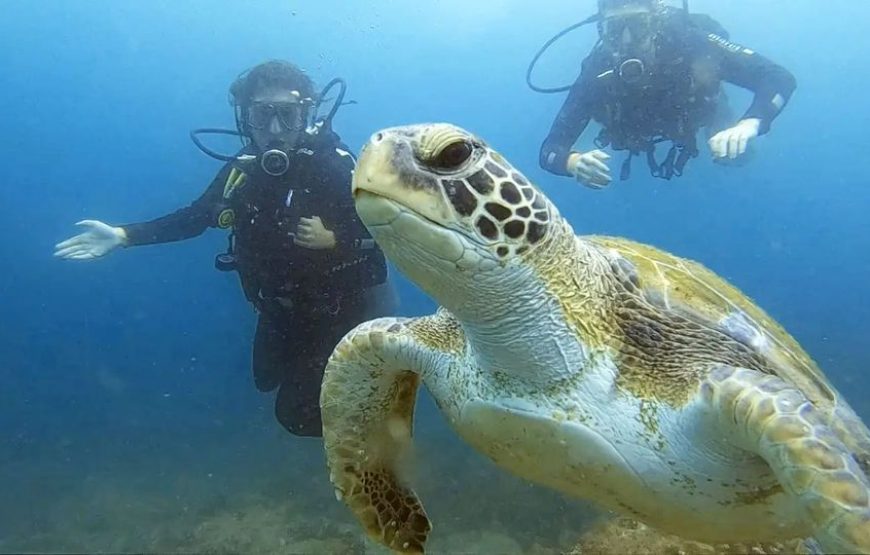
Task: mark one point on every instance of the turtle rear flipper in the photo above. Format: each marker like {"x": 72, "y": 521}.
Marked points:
{"x": 764, "y": 414}
{"x": 367, "y": 404}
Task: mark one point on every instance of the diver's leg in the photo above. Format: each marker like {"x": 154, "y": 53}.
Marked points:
{"x": 270, "y": 350}
{"x": 297, "y": 406}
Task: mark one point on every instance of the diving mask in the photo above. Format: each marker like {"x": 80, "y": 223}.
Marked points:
{"x": 630, "y": 38}
{"x": 290, "y": 115}
{"x": 626, "y": 31}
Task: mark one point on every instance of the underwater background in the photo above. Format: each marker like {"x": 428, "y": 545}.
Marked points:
{"x": 128, "y": 416}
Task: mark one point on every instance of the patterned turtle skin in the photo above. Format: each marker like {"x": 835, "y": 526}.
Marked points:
{"x": 600, "y": 367}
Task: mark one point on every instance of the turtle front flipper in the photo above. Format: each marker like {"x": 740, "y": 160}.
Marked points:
{"x": 764, "y": 414}
{"x": 367, "y": 404}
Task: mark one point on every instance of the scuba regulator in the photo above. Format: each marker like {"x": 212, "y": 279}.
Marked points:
{"x": 275, "y": 162}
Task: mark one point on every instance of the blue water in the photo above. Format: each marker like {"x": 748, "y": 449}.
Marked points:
{"x": 127, "y": 413}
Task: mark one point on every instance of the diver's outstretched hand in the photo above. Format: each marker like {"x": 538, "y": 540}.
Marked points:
{"x": 589, "y": 168}
{"x": 99, "y": 240}
{"x": 732, "y": 142}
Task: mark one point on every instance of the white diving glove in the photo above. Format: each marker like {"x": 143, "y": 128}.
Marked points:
{"x": 99, "y": 240}
{"x": 589, "y": 168}
{"x": 732, "y": 142}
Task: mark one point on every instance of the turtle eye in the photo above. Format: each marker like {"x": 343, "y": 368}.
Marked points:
{"x": 453, "y": 155}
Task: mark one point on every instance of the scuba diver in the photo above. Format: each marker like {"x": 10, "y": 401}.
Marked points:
{"x": 655, "y": 76}
{"x": 304, "y": 259}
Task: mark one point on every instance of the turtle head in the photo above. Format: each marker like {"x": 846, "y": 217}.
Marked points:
{"x": 446, "y": 208}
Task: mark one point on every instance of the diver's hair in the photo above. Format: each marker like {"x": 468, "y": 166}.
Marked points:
{"x": 274, "y": 74}
{"x": 607, "y": 5}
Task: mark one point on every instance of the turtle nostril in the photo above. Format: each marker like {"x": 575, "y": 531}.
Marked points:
{"x": 379, "y": 137}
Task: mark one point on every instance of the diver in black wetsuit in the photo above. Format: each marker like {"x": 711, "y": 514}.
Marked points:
{"x": 655, "y": 76}
{"x": 305, "y": 260}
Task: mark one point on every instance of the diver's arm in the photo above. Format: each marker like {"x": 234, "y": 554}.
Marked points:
{"x": 185, "y": 223}
{"x": 570, "y": 122}
{"x": 772, "y": 84}
{"x": 99, "y": 239}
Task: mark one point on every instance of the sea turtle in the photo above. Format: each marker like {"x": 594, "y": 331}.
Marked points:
{"x": 597, "y": 366}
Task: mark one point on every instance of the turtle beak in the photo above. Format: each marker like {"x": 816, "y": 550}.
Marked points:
{"x": 374, "y": 172}
{"x": 386, "y": 169}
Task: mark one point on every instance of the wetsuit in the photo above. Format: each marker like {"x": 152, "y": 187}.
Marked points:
{"x": 307, "y": 299}
{"x": 679, "y": 98}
